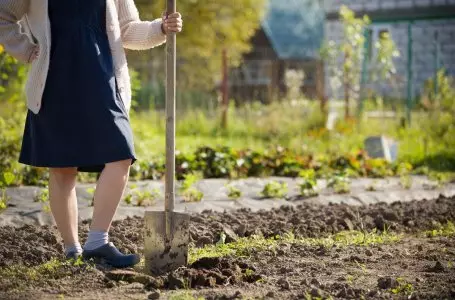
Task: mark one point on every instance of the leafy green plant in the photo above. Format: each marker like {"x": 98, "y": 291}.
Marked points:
{"x": 189, "y": 192}
{"x": 233, "y": 192}
{"x": 351, "y": 52}
{"x": 403, "y": 287}
{"x": 128, "y": 198}
{"x": 147, "y": 198}
{"x": 43, "y": 198}
{"x": 8, "y": 178}
{"x": 142, "y": 198}
{"x": 340, "y": 184}
{"x": 192, "y": 195}
{"x": 439, "y": 177}
{"x": 447, "y": 229}
{"x": 372, "y": 187}
{"x": 274, "y": 189}
{"x": 3, "y": 199}
{"x": 190, "y": 180}
{"x": 308, "y": 183}
{"x": 406, "y": 181}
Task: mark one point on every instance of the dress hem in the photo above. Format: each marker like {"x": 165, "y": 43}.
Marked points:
{"x": 85, "y": 168}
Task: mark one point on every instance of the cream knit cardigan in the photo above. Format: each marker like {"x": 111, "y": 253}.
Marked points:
{"x": 24, "y": 24}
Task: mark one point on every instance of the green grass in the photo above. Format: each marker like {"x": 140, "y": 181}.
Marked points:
{"x": 183, "y": 295}
{"x": 403, "y": 287}
{"x": 53, "y": 269}
{"x": 244, "y": 246}
{"x": 297, "y": 127}
{"x": 446, "y": 230}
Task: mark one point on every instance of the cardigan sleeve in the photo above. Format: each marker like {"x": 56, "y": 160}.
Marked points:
{"x": 137, "y": 34}
{"x": 12, "y": 38}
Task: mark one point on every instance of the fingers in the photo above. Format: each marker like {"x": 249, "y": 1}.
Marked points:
{"x": 173, "y": 23}
{"x": 35, "y": 53}
{"x": 176, "y": 15}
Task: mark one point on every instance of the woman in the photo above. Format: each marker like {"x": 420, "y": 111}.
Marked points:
{"x": 78, "y": 96}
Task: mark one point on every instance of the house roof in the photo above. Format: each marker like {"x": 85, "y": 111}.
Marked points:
{"x": 295, "y": 27}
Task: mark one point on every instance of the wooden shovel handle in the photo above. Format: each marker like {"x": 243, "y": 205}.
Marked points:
{"x": 170, "y": 113}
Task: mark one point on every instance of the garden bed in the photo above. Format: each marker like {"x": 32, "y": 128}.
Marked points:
{"x": 380, "y": 251}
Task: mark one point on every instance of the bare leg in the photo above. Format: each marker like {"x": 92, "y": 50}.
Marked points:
{"x": 109, "y": 191}
{"x": 63, "y": 202}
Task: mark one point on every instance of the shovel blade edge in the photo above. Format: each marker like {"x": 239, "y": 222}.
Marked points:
{"x": 163, "y": 251}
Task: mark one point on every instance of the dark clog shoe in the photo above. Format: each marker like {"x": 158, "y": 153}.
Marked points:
{"x": 110, "y": 255}
{"x": 73, "y": 255}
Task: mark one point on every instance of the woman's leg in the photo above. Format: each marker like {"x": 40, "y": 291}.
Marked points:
{"x": 109, "y": 191}
{"x": 63, "y": 202}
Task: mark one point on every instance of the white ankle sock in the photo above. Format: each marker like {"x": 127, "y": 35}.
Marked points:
{"x": 73, "y": 248}
{"x": 96, "y": 239}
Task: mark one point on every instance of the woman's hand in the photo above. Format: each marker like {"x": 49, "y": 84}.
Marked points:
{"x": 34, "y": 54}
{"x": 172, "y": 23}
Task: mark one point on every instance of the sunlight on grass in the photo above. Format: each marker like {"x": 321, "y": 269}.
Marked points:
{"x": 447, "y": 230}
{"x": 52, "y": 269}
{"x": 183, "y": 295}
{"x": 244, "y": 246}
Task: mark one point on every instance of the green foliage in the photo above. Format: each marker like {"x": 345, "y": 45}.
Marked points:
{"x": 189, "y": 192}
{"x": 233, "y": 192}
{"x": 183, "y": 295}
{"x": 351, "y": 51}
{"x": 192, "y": 195}
{"x": 447, "y": 230}
{"x": 6, "y": 179}
{"x": 189, "y": 181}
{"x": 3, "y": 199}
{"x": 274, "y": 189}
{"x": 43, "y": 198}
{"x": 210, "y": 26}
{"x": 12, "y": 75}
{"x": 245, "y": 246}
{"x": 308, "y": 183}
{"x": 439, "y": 121}
{"x": 372, "y": 187}
{"x": 406, "y": 181}
{"x": 384, "y": 66}
{"x": 403, "y": 288}
{"x": 49, "y": 271}
{"x": 340, "y": 183}
{"x": 142, "y": 197}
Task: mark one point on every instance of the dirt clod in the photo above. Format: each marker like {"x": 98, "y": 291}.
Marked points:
{"x": 387, "y": 283}
{"x": 438, "y": 267}
{"x": 154, "y": 295}
{"x": 174, "y": 282}
{"x": 284, "y": 284}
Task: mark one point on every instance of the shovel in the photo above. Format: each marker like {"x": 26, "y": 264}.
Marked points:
{"x": 167, "y": 232}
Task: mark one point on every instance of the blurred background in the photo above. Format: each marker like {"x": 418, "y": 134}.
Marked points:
{"x": 274, "y": 87}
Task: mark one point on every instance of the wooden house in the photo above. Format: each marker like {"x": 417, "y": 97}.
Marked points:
{"x": 290, "y": 37}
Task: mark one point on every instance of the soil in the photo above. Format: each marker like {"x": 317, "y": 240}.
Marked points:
{"x": 416, "y": 267}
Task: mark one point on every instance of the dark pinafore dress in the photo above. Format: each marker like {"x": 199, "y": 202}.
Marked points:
{"x": 82, "y": 122}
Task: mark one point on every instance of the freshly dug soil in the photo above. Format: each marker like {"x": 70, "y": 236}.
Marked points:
{"x": 417, "y": 267}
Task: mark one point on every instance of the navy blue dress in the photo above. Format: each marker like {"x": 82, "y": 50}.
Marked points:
{"x": 82, "y": 122}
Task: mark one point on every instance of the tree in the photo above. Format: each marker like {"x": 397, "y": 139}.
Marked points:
{"x": 209, "y": 27}
{"x": 349, "y": 52}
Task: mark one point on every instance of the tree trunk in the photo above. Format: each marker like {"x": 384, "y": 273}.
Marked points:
{"x": 224, "y": 91}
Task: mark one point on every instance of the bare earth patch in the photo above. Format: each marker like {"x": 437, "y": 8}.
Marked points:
{"x": 396, "y": 251}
